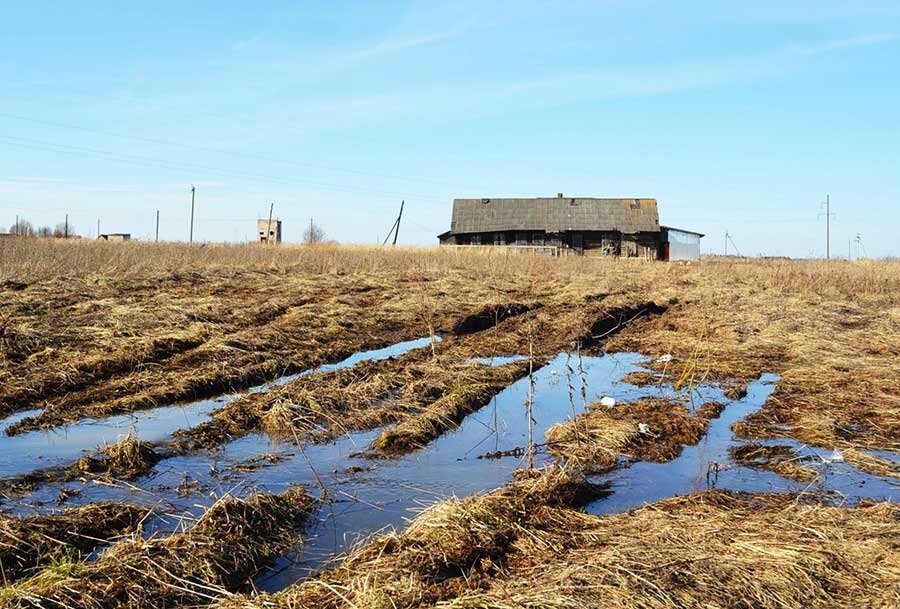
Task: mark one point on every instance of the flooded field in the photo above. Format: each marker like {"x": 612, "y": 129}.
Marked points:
{"x": 359, "y": 495}
{"x": 424, "y": 437}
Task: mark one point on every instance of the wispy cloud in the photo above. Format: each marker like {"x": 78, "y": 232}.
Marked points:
{"x": 449, "y": 100}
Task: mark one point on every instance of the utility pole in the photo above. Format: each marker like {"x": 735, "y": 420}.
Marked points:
{"x": 728, "y": 240}
{"x": 66, "y": 231}
{"x": 191, "y": 238}
{"x": 397, "y": 231}
{"x": 17, "y": 224}
{"x": 827, "y": 214}
{"x": 98, "y": 228}
{"x": 157, "y": 226}
{"x": 269, "y": 225}
{"x": 312, "y": 236}
{"x": 395, "y": 228}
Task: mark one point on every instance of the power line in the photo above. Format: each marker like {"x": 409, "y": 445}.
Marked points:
{"x": 173, "y": 144}
{"x": 154, "y": 162}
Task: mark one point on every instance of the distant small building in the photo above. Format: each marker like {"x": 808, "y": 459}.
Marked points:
{"x": 679, "y": 244}
{"x": 114, "y": 237}
{"x": 566, "y": 225}
{"x": 268, "y": 231}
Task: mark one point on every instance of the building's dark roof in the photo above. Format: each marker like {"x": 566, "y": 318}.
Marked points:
{"x": 554, "y": 214}
{"x": 682, "y": 230}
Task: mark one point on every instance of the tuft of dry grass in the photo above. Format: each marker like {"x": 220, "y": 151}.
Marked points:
{"x": 127, "y": 458}
{"x": 228, "y": 544}
{"x": 33, "y": 543}
{"x": 598, "y": 437}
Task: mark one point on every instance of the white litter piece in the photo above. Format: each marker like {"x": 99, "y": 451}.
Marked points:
{"x": 607, "y": 401}
{"x": 665, "y": 359}
{"x": 836, "y": 456}
{"x": 644, "y": 429}
{"x": 553, "y": 372}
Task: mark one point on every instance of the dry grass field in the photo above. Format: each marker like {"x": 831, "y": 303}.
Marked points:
{"x": 90, "y": 330}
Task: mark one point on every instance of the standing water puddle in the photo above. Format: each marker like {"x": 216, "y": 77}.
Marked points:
{"x": 696, "y": 468}
{"x": 45, "y": 448}
{"x": 364, "y": 495}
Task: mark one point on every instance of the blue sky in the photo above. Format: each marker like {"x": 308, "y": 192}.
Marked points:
{"x": 735, "y": 116}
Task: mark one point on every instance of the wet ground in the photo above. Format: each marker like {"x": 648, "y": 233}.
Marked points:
{"x": 361, "y": 495}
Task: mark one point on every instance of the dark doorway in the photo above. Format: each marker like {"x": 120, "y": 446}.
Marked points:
{"x": 578, "y": 242}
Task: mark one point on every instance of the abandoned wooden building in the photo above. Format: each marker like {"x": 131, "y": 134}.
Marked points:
{"x": 268, "y": 231}
{"x": 563, "y": 225}
{"x": 114, "y": 237}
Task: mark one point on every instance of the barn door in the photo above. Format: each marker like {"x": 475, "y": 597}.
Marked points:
{"x": 577, "y": 242}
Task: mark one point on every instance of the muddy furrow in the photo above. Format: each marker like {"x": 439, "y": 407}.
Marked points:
{"x": 296, "y": 341}
{"x": 37, "y": 387}
{"x": 93, "y": 369}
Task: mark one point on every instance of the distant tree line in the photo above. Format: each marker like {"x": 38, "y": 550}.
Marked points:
{"x": 24, "y": 228}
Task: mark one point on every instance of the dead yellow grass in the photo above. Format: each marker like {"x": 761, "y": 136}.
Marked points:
{"x": 30, "y": 544}
{"x": 448, "y": 548}
{"x": 711, "y": 549}
{"x": 527, "y": 545}
{"x": 103, "y": 328}
{"x": 92, "y": 329}
{"x": 871, "y": 464}
{"x": 229, "y": 543}
{"x": 599, "y": 436}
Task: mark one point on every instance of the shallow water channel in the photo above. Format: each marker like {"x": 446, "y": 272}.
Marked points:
{"x": 362, "y": 495}
{"x": 58, "y": 446}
